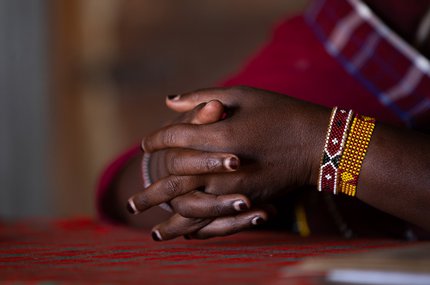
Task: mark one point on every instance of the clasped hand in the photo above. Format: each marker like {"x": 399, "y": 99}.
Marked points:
{"x": 233, "y": 151}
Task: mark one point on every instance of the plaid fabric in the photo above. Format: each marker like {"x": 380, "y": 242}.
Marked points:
{"x": 81, "y": 251}
{"x": 379, "y": 59}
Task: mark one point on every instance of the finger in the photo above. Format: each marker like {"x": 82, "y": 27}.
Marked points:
{"x": 193, "y": 162}
{"x": 211, "y": 112}
{"x": 177, "y": 226}
{"x": 176, "y": 136}
{"x": 229, "y": 225}
{"x": 162, "y": 191}
{"x": 188, "y": 101}
{"x": 202, "y": 205}
{"x": 203, "y": 113}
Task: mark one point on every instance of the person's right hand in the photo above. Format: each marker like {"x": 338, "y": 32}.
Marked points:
{"x": 168, "y": 164}
{"x": 198, "y": 214}
{"x": 277, "y": 138}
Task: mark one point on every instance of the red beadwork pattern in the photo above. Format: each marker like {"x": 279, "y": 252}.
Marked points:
{"x": 335, "y": 141}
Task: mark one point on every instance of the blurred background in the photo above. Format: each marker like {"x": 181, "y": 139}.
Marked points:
{"x": 81, "y": 80}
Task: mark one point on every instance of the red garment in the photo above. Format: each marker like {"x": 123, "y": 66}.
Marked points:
{"x": 334, "y": 57}
{"x": 337, "y": 54}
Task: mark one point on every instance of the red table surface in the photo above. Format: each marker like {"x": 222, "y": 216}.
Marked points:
{"x": 82, "y": 251}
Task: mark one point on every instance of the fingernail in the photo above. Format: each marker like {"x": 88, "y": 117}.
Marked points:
{"x": 240, "y": 206}
{"x": 231, "y": 163}
{"x": 174, "y": 97}
{"x": 257, "y": 221}
{"x": 131, "y": 207}
{"x": 156, "y": 235}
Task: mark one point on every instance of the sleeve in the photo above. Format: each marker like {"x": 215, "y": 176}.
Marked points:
{"x": 107, "y": 179}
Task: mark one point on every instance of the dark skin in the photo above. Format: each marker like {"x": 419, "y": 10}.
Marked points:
{"x": 198, "y": 204}
{"x": 245, "y": 133}
{"x": 397, "y": 161}
{"x": 394, "y": 175}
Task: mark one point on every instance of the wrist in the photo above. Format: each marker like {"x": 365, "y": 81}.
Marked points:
{"x": 318, "y": 131}
{"x": 345, "y": 146}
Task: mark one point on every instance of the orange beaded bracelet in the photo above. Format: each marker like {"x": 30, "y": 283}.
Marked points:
{"x": 353, "y": 155}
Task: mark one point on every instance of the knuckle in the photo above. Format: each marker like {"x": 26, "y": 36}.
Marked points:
{"x": 233, "y": 227}
{"x": 169, "y": 138}
{"x": 182, "y": 209}
{"x": 168, "y": 155}
{"x": 173, "y": 185}
{"x": 218, "y": 209}
{"x": 175, "y": 165}
{"x": 179, "y": 208}
{"x": 210, "y": 163}
{"x": 142, "y": 203}
{"x": 240, "y": 223}
{"x": 168, "y": 232}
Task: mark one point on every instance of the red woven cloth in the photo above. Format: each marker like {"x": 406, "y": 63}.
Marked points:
{"x": 81, "y": 251}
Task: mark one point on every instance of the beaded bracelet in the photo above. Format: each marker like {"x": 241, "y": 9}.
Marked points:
{"x": 335, "y": 140}
{"x": 355, "y": 149}
{"x": 147, "y": 181}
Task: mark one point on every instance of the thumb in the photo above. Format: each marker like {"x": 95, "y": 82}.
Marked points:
{"x": 210, "y": 113}
{"x": 188, "y": 101}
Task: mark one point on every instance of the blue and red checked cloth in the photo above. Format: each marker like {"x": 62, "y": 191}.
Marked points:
{"x": 386, "y": 65}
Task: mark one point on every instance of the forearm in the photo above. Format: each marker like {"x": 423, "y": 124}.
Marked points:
{"x": 395, "y": 176}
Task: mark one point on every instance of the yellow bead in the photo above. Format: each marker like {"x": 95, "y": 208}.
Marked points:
{"x": 355, "y": 149}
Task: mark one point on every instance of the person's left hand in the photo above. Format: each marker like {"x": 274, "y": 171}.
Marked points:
{"x": 278, "y": 140}
{"x": 277, "y": 137}
{"x": 198, "y": 214}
